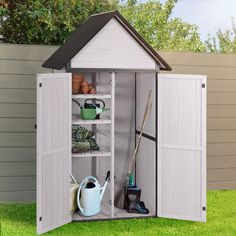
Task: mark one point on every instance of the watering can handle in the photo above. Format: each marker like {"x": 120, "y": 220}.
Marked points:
{"x": 95, "y": 100}
{"x": 84, "y": 182}
{"x": 73, "y": 100}
{"x": 108, "y": 177}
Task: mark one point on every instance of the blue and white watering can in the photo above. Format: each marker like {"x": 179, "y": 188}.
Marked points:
{"x": 90, "y": 195}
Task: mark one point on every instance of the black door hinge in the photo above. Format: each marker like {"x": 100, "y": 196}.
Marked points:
{"x": 40, "y": 218}
{"x": 35, "y": 126}
{"x": 203, "y": 85}
{"x": 40, "y": 84}
{"x": 204, "y": 208}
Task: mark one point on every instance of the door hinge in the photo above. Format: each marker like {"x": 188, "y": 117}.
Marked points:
{"x": 40, "y": 84}
{"x": 40, "y": 218}
{"x": 204, "y": 208}
{"x": 35, "y": 126}
{"x": 203, "y": 85}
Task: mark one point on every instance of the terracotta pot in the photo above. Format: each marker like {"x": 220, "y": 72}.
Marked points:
{"x": 78, "y": 78}
{"x": 84, "y": 84}
{"x": 90, "y": 86}
{"x": 92, "y": 91}
{"x": 76, "y": 87}
{"x": 85, "y": 89}
{"x": 76, "y": 83}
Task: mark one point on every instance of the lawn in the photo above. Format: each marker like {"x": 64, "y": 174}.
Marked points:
{"x": 19, "y": 219}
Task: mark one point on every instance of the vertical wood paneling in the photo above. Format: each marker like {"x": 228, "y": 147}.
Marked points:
{"x": 113, "y": 47}
{"x": 182, "y": 184}
{"x": 145, "y": 83}
{"x": 186, "y": 119}
{"x": 146, "y": 156}
{"x": 53, "y": 150}
{"x": 181, "y": 145}
{"x": 221, "y": 109}
{"x": 146, "y": 173}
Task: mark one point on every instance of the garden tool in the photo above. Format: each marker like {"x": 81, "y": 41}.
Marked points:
{"x": 90, "y": 195}
{"x": 120, "y": 200}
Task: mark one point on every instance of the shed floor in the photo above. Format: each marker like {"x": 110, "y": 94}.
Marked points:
{"x": 105, "y": 213}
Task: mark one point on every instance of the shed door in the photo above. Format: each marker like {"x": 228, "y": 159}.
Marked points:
{"x": 53, "y": 150}
{"x": 182, "y": 147}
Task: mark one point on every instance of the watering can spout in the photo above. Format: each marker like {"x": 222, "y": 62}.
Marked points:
{"x": 105, "y": 185}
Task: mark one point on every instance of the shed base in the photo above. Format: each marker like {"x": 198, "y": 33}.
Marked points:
{"x": 105, "y": 214}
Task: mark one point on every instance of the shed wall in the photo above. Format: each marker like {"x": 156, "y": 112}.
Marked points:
{"x": 20, "y": 63}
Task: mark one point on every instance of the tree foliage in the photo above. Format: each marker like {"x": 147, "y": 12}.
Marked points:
{"x": 52, "y": 21}
{"x": 153, "y": 21}
{"x": 224, "y": 41}
{"x": 46, "y": 21}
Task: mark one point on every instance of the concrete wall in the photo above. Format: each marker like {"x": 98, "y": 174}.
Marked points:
{"x": 20, "y": 63}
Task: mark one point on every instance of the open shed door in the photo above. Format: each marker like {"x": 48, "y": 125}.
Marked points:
{"x": 53, "y": 150}
{"x": 182, "y": 147}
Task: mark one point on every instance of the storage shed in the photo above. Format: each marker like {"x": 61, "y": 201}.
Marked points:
{"x": 171, "y": 163}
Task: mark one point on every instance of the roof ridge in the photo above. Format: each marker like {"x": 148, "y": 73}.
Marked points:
{"x": 104, "y": 13}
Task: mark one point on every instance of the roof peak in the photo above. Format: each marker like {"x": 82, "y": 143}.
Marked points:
{"x": 87, "y": 30}
{"x": 104, "y": 13}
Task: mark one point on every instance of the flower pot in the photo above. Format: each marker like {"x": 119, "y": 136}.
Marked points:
{"x": 76, "y": 83}
{"x": 85, "y": 89}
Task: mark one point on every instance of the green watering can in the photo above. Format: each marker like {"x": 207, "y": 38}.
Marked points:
{"x": 90, "y": 111}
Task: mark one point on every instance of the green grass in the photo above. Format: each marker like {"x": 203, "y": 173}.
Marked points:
{"x": 19, "y": 219}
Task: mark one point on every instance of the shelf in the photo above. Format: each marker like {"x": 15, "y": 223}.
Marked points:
{"x": 76, "y": 121}
{"x": 92, "y": 154}
{"x": 105, "y": 213}
{"x": 85, "y": 96}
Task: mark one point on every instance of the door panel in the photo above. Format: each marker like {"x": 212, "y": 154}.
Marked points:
{"x": 182, "y": 147}
{"x": 53, "y": 150}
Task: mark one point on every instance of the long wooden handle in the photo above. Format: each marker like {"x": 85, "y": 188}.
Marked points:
{"x": 147, "y": 109}
{"x": 138, "y": 144}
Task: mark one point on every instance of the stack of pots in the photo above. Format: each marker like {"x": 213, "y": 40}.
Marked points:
{"x": 79, "y": 85}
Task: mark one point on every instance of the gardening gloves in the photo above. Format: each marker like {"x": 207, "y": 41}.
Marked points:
{"x": 83, "y": 139}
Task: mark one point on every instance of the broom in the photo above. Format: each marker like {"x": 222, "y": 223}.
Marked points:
{"x": 119, "y": 198}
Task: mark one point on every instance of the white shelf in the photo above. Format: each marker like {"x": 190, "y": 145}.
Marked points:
{"x": 85, "y": 96}
{"x": 76, "y": 121}
{"x": 92, "y": 154}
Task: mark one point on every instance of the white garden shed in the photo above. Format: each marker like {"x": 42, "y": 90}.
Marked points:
{"x": 171, "y": 162}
